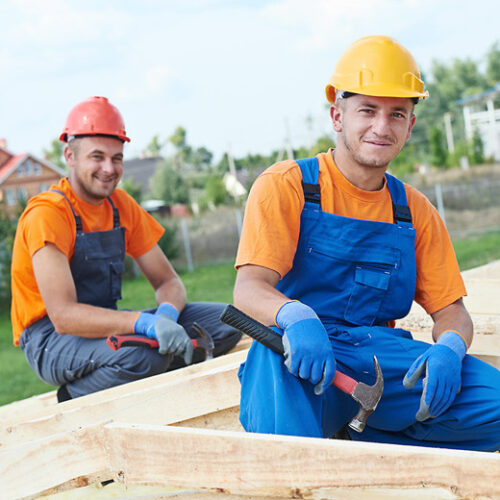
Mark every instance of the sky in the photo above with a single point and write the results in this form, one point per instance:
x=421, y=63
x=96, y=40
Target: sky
x=239, y=76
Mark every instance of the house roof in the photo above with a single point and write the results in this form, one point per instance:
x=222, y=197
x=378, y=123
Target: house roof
x=141, y=170
x=14, y=161
x=486, y=94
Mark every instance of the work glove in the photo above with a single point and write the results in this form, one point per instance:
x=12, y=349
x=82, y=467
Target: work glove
x=168, y=310
x=307, y=349
x=442, y=364
x=171, y=337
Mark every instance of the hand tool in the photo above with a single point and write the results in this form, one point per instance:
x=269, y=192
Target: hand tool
x=204, y=342
x=367, y=396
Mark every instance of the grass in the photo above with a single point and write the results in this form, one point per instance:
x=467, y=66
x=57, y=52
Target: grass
x=212, y=283
x=478, y=250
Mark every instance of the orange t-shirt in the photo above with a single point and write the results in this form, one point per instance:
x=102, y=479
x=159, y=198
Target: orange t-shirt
x=48, y=219
x=272, y=222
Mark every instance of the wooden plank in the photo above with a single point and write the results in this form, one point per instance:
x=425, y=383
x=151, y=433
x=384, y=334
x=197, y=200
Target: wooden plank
x=18, y=409
x=245, y=464
x=72, y=458
x=164, y=399
x=294, y=467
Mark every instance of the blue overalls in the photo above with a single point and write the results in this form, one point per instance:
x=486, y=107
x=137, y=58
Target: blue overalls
x=358, y=275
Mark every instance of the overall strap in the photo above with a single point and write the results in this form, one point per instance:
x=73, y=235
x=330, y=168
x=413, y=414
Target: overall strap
x=400, y=208
x=310, y=171
x=78, y=220
x=116, y=215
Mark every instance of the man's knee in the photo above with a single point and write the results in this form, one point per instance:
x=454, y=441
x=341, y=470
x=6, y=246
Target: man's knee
x=140, y=362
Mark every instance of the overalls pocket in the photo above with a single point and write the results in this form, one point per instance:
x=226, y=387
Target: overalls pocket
x=368, y=291
x=117, y=268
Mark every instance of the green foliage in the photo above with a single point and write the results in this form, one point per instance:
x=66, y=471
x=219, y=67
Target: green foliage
x=154, y=147
x=437, y=147
x=493, y=64
x=215, y=190
x=406, y=160
x=168, y=242
x=324, y=143
x=134, y=189
x=476, y=149
x=54, y=154
x=168, y=184
x=7, y=233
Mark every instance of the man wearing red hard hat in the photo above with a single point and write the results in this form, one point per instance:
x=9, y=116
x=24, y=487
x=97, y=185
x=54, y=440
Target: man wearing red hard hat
x=67, y=263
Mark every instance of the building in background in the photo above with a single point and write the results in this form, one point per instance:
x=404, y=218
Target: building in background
x=480, y=114
x=22, y=176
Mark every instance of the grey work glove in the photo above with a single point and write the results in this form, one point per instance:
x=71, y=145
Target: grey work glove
x=171, y=337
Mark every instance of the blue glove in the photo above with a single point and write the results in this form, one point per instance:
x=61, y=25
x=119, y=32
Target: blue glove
x=171, y=337
x=308, y=352
x=442, y=363
x=168, y=310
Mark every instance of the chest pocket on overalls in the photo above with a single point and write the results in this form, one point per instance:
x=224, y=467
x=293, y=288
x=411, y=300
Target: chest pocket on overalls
x=370, y=286
x=363, y=276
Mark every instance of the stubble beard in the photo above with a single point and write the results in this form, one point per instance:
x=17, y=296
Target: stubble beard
x=364, y=160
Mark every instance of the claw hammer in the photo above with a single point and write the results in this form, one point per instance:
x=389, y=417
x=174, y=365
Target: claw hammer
x=367, y=396
x=204, y=341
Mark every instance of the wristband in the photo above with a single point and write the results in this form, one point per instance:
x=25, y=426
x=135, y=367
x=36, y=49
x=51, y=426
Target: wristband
x=168, y=310
x=454, y=341
x=291, y=312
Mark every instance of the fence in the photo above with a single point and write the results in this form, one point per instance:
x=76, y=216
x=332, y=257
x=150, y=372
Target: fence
x=468, y=205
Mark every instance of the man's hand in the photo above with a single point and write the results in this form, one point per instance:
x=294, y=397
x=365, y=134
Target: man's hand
x=308, y=352
x=442, y=363
x=172, y=338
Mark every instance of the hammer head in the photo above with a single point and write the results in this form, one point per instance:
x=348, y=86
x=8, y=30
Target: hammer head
x=368, y=397
x=204, y=342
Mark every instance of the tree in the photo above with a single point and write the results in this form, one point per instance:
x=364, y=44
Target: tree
x=55, y=155
x=168, y=185
x=324, y=143
x=438, y=150
x=154, y=147
x=7, y=232
x=476, y=149
x=493, y=65
x=133, y=188
x=215, y=190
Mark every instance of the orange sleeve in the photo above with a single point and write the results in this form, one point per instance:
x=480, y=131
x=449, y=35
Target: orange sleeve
x=46, y=223
x=271, y=225
x=439, y=282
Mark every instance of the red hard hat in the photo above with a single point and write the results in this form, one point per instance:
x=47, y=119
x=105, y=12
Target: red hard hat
x=94, y=116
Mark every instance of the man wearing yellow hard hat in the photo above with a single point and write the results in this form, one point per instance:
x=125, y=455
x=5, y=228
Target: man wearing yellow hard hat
x=333, y=251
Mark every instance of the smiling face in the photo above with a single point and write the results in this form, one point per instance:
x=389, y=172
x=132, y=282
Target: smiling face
x=96, y=166
x=371, y=130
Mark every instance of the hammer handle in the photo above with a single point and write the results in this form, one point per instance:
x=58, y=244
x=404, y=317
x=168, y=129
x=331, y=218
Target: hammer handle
x=263, y=334
x=118, y=341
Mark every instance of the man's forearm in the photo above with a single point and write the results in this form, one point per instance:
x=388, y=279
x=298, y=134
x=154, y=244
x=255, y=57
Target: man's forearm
x=455, y=318
x=84, y=320
x=256, y=295
x=172, y=292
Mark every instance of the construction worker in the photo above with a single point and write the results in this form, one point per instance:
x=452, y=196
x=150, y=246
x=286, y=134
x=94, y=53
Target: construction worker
x=67, y=264
x=333, y=250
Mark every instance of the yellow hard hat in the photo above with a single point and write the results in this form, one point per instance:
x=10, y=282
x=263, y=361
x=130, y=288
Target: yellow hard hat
x=378, y=66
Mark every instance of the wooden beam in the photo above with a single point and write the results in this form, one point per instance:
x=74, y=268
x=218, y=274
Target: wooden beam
x=71, y=458
x=294, y=467
x=245, y=464
x=164, y=399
